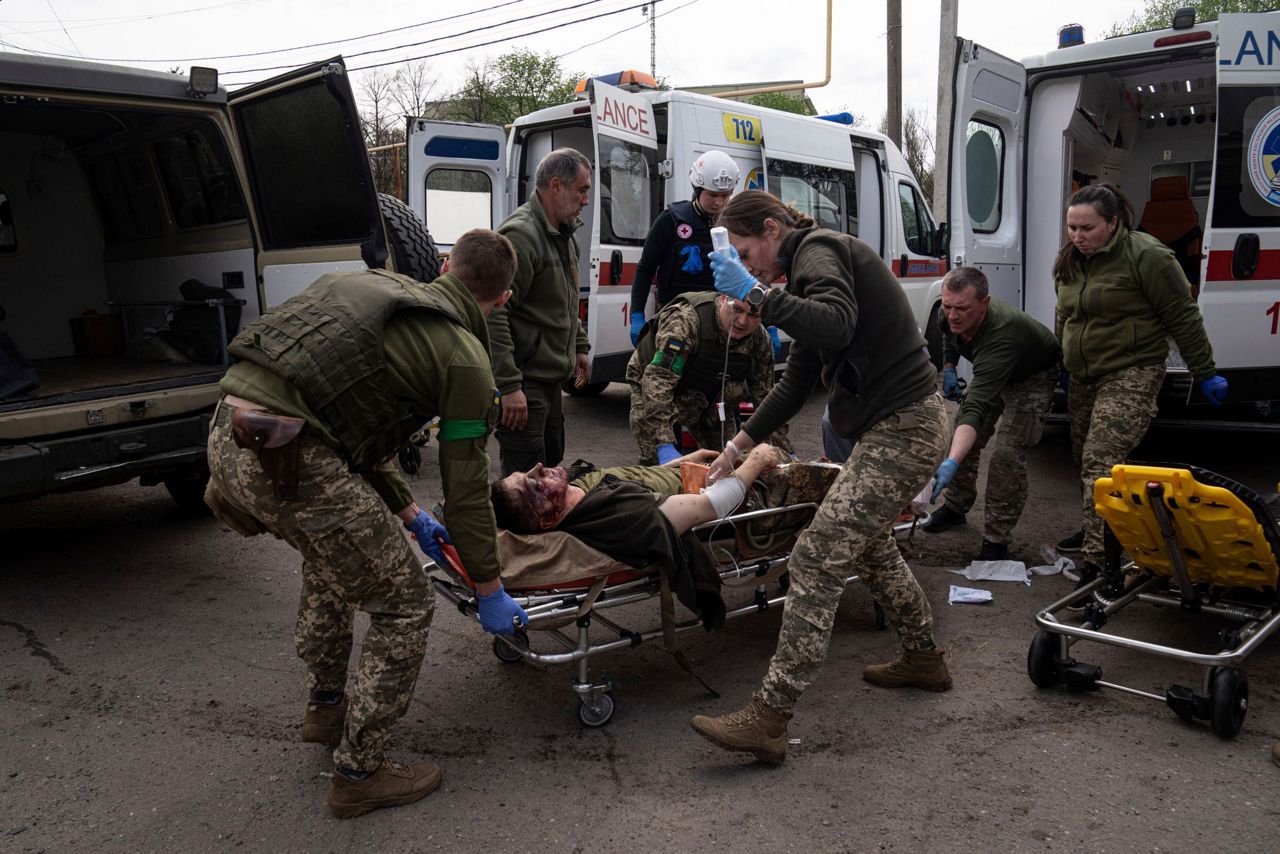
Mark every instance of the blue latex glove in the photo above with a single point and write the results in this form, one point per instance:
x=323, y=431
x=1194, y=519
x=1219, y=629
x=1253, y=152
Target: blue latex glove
x=731, y=277
x=497, y=611
x=426, y=530
x=667, y=453
x=637, y=321
x=949, y=380
x=776, y=341
x=946, y=472
x=1215, y=389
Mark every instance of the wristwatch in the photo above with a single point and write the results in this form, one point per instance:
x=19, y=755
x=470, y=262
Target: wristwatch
x=755, y=296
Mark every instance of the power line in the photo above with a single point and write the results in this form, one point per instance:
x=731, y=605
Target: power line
x=626, y=29
x=93, y=23
x=64, y=27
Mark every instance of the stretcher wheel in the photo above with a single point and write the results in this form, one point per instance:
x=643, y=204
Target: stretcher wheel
x=1229, y=700
x=596, y=714
x=1042, y=660
x=503, y=650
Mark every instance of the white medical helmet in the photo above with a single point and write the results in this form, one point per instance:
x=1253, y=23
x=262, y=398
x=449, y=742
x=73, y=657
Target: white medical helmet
x=714, y=171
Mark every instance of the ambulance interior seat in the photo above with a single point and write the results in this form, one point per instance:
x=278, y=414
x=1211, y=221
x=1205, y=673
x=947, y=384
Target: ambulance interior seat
x=1170, y=217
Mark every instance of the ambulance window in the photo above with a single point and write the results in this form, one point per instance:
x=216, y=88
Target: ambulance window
x=1198, y=175
x=917, y=227
x=984, y=172
x=197, y=178
x=821, y=192
x=126, y=195
x=8, y=238
x=1247, y=183
x=458, y=200
x=627, y=196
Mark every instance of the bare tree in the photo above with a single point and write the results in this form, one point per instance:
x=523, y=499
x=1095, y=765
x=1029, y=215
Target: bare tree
x=414, y=88
x=380, y=124
x=918, y=146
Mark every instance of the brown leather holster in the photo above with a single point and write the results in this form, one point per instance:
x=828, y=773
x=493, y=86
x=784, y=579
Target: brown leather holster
x=275, y=440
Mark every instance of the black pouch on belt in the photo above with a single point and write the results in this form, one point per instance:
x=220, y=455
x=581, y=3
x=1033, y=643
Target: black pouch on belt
x=274, y=438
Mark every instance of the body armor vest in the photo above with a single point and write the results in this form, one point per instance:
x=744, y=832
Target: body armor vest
x=704, y=369
x=687, y=267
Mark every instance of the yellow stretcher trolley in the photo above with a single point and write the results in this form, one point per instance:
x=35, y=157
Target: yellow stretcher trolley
x=1197, y=542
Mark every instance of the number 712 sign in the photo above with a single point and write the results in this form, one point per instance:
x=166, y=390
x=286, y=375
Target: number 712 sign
x=744, y=130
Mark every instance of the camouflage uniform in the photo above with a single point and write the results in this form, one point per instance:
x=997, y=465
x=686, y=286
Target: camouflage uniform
x=656, y=403
x=1024, y=406
x=1109, y=417
x=890, y=463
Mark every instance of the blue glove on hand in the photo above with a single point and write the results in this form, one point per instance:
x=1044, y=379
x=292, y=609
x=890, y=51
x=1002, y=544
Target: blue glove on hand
x=946, y=472
x=425, y=530
x=667, y=453
x=496, y=613
x=776, y=341
x=731, y=277
x=1215, y=389
x=949, y=381
x=637, y=321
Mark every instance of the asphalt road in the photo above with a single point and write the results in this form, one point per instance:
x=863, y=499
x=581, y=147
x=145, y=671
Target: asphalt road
x=151, y=699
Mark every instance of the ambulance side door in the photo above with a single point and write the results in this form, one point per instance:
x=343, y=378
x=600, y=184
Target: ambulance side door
x=1240, y=289
x=311, y=192
x=457, y=177
x=984, y=196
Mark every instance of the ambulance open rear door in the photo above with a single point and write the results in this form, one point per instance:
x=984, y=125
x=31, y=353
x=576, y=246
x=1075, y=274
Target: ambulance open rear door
x=984, y=197
x=457, y=177
x=1240, y=289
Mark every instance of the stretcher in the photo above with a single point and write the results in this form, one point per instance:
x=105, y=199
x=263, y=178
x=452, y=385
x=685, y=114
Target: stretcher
x=569, y=589
x=1198, y=543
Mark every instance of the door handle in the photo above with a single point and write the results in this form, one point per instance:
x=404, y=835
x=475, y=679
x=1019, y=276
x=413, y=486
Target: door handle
x=615, y=267
x=902, y=266
x=1244, y=258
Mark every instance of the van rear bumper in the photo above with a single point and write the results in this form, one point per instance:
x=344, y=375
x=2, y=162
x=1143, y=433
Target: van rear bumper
x=85, y=461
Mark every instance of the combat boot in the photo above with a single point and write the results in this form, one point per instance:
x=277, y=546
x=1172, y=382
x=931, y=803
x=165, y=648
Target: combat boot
x=943, y=519
x=755, y=729
x=323, y=722
x=392, y=785
x=915, y=668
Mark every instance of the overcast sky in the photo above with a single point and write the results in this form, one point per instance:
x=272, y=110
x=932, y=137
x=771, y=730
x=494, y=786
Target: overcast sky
x=698, y=41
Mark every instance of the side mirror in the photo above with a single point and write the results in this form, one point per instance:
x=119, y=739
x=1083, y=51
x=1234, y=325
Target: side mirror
x=942, y=240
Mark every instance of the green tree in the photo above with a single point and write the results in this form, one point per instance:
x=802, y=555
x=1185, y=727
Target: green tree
x=783, y=101
x=1158, y=14
x=514, y=84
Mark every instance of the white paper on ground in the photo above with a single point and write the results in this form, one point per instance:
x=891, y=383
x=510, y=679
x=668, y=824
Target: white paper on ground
x=967, y=594
x=995, y=570
x=1061, y=564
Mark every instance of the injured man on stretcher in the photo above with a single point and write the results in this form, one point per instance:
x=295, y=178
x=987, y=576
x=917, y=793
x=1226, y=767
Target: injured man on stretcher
x=638, y=515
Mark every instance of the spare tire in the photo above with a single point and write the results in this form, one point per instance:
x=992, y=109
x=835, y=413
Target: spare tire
x=412, y=249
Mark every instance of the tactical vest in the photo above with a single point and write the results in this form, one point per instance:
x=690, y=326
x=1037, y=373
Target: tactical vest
x=704, y=368
x=327, y=342
x=687, y=267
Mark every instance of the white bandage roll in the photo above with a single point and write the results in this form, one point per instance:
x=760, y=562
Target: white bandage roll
x=725, y=495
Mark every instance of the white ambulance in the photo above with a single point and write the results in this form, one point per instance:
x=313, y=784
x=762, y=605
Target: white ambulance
x=642, y=143
x=1185, y=121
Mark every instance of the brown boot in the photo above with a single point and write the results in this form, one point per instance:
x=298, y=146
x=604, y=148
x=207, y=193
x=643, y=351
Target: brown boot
x=915, y=668
x=392, y=785
x=756, y=729
x=323, y=722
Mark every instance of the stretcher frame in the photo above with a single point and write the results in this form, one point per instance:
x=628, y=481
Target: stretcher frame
x=596, y=704
x=1223, y=693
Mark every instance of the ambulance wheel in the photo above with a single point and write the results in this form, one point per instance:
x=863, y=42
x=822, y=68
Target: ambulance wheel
x=597, y=714
x=1042, y=660
x=414, y=252
x=505, y=653
x=588, y=390
x=1229, y=700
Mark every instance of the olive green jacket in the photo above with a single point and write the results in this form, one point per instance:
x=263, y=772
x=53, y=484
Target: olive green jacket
x=1119, y=311
x=537, y=333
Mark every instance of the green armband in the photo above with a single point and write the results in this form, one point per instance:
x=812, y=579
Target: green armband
x=671, y=357
x=452, y=431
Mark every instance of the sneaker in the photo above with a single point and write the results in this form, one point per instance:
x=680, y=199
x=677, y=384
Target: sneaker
x=942, y=519
x=1073, y=543
x=915, y=668
x=993, y=551
x=392, y=785
x=756, y=729
x=323, y=722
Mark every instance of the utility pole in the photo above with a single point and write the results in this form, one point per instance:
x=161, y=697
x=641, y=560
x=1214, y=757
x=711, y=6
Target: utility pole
x=653, y=38
x=893, y=115
x=942, y=133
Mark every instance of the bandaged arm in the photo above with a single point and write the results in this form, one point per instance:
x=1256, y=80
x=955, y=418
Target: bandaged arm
x=686, y=511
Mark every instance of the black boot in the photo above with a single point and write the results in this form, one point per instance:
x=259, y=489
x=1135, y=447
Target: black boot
x=942, y=519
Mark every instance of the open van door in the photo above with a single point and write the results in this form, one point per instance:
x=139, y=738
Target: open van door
x=457, y=177
x=309, y=183
x=1240, y=290
x=627, y=197
x=984, y=196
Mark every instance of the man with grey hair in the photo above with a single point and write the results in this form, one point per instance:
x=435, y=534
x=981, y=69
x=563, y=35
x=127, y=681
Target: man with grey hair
x=1015, y=365
x=536, y=341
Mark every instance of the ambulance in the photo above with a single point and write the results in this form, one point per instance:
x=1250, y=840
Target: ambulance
x=641, y=143
x=1185, y=121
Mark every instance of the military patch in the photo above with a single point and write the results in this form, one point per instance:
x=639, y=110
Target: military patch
x=671, y=357
x=684, y=231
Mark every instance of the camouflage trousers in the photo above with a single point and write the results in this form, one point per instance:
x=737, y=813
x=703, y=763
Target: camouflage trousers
x=354, y=555
x=702, y=419
x=1020, y=413
x=852, y=534
x=1109, y=417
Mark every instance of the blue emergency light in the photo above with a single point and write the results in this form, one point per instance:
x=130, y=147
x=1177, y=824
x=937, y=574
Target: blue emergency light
x=1070, y=35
